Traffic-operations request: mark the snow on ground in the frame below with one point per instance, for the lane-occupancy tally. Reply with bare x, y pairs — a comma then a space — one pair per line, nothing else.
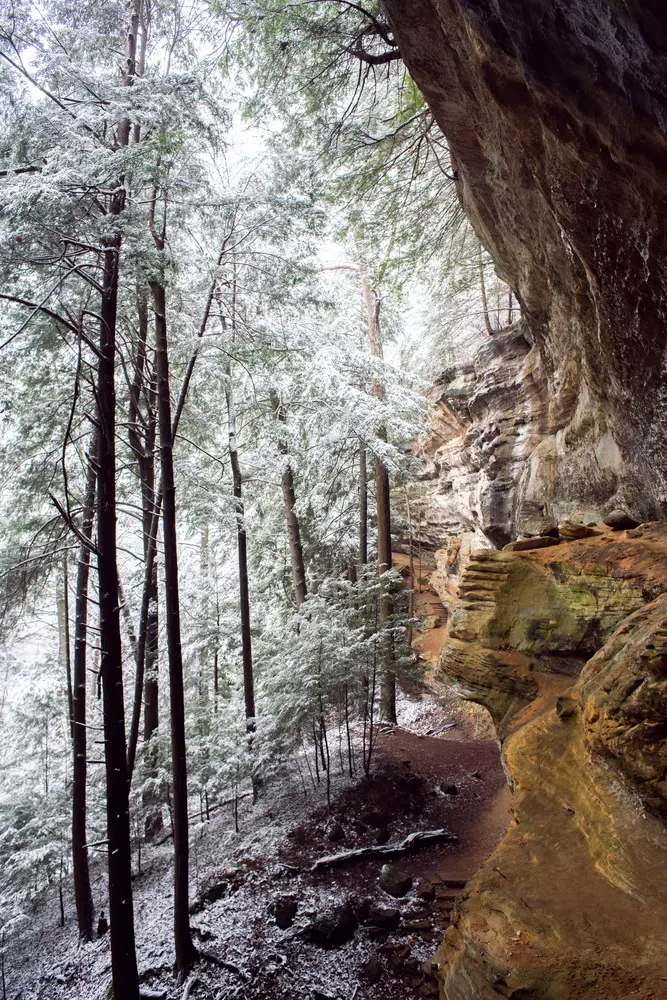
235, 877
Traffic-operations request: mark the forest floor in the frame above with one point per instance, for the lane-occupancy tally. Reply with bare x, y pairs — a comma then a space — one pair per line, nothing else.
440, 768
238, 879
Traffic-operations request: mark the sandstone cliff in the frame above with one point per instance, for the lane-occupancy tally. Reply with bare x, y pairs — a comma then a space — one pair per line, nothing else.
567, 649
556, 116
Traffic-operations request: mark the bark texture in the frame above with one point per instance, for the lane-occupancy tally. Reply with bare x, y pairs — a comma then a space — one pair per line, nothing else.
242, 550
185, 951
121, 930
372, 305
289, 502
83, 896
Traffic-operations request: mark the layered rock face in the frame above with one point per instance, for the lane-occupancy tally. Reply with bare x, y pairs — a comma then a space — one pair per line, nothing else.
488, 464
556, 115
567, 648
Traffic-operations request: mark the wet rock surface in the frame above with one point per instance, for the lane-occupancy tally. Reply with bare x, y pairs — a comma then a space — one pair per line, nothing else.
333, 927
567, 648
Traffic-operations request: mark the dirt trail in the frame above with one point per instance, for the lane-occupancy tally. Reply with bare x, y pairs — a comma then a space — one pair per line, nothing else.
428, 608
419, 781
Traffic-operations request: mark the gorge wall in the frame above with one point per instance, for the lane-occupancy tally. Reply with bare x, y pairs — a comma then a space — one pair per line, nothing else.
555, 112
556, 116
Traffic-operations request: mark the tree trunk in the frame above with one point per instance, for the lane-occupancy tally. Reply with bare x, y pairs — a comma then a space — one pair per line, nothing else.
205, 608
241, 541
363, 508
382, 498
149, 595
142, 434
482, 288
185, 951
123, 954
64, 655
121, 929
142, 442
289, 501
83, 897
411, 602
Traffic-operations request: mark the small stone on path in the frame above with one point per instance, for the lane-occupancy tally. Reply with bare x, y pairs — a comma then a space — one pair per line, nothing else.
333, 928
394, 881
386, 917
426, 891
449, 788
371, 971
284, 910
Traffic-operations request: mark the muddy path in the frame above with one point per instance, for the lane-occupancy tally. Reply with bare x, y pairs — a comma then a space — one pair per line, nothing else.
420, 782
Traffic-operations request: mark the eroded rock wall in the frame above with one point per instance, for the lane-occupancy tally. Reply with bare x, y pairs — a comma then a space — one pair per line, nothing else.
555, 112
567, 648
556, 115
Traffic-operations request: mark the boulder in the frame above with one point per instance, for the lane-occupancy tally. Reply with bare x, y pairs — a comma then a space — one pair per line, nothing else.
335, 833
371, 971
620, 520
394, 881
524, 544
381, 836
571, 530
333, 927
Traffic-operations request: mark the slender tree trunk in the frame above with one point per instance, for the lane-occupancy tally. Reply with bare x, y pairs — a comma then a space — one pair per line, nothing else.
123, 955
363, 508
241, 542
185, 950
60, 895
149, 601
289, 501
411, 602
482, 288
64, 654
382, 498
142, 435
142, 441
83, 897
121, 929
204, 584
216, 654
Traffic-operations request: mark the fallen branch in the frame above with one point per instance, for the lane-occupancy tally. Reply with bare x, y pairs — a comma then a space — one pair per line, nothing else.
210, 957
443, 729
411, 843
189, 986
